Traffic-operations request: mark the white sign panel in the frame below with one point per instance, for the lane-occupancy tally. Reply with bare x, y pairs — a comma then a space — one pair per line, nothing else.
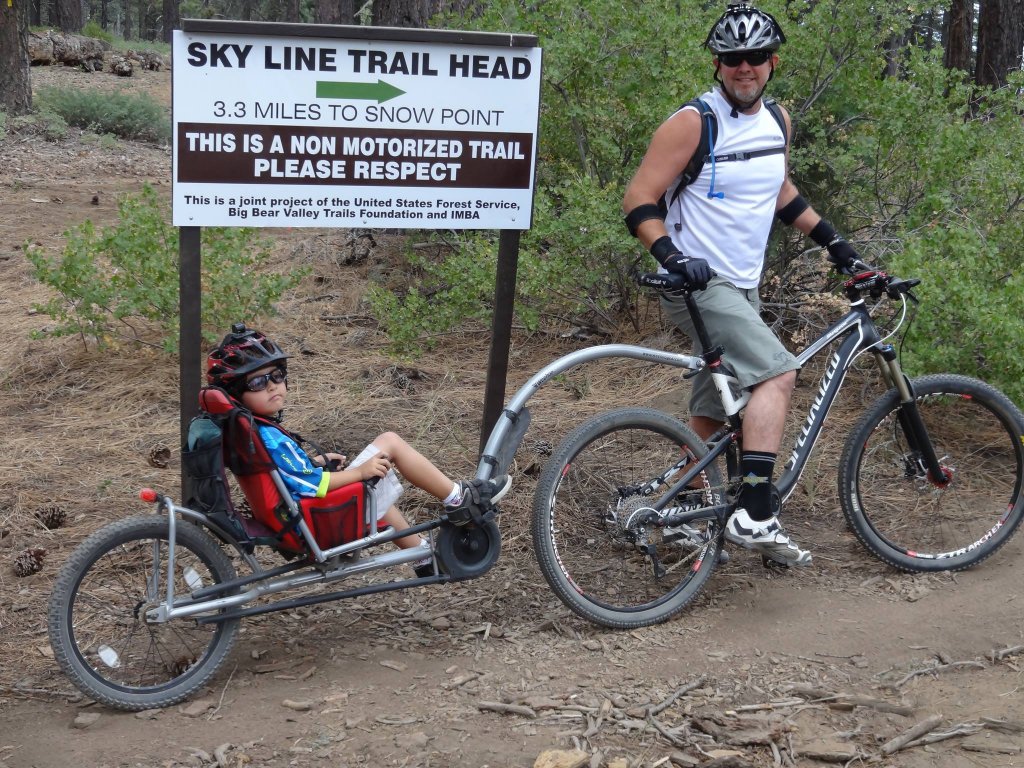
309, 132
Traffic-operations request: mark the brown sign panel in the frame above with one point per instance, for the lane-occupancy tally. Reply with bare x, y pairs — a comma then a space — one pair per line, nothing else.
284, 154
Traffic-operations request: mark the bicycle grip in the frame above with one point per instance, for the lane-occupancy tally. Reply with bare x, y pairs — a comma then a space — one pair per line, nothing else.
670, 282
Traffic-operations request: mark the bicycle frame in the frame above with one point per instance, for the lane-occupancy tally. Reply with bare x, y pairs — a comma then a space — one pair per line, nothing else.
858, 334
206, 604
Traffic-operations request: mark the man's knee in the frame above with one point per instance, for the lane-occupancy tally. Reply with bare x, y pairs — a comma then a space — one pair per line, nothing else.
784, 383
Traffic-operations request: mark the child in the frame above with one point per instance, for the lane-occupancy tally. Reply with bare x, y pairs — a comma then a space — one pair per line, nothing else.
254, 371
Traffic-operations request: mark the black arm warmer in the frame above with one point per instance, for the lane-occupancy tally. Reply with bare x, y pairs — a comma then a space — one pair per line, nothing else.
823, 233
640, 214
790, 211
662, 248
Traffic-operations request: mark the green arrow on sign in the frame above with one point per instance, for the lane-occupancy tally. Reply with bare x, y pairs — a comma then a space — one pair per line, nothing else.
379, 91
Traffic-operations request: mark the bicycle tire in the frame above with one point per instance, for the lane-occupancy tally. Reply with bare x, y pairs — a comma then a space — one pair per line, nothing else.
905, 519
96, 615
588, 560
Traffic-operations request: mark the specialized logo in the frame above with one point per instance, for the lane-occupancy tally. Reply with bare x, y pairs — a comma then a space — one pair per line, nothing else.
812, 416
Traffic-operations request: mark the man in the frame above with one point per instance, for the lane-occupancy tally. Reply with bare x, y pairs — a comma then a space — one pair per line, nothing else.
714, 233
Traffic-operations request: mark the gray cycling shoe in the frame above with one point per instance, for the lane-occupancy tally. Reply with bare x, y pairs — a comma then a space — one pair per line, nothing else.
767, 537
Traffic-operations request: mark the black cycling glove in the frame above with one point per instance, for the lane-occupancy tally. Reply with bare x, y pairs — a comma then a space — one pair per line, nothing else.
840, 252
695, 270
842, 255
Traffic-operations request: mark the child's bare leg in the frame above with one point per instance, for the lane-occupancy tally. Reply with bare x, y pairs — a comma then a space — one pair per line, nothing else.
414, 466
394, 518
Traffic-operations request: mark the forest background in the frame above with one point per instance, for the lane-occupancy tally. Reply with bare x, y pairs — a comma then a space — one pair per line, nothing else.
908, 135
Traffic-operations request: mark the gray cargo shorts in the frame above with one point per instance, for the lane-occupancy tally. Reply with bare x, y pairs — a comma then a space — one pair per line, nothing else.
733, 318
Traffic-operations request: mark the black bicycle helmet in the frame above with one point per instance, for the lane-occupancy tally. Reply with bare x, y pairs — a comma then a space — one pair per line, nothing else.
744, 28
241, 352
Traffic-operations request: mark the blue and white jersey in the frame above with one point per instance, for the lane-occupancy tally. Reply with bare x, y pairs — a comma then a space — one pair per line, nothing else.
300, 475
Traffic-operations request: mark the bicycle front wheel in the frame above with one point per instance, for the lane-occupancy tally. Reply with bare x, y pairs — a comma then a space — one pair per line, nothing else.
893, 506
98, 624
591, 543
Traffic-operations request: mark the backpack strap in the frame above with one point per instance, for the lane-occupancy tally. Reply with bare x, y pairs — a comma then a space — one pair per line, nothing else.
775, 111
708, 135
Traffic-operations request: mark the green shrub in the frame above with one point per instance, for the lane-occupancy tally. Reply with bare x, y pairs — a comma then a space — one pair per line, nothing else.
3, 125
130, 116
50, 126
121, 284
93, 29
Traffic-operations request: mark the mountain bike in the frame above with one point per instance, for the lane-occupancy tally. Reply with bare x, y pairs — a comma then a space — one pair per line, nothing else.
630, 509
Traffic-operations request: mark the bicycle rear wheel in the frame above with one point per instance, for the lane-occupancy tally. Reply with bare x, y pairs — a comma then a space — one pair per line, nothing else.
601, 562
97, 616
895, 509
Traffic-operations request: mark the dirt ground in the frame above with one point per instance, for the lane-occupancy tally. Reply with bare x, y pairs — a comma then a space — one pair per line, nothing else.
811, 667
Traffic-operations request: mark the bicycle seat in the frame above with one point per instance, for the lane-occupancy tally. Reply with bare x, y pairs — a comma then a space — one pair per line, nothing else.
342, 515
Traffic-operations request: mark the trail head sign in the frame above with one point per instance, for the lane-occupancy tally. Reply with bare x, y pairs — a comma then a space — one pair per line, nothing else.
281, 130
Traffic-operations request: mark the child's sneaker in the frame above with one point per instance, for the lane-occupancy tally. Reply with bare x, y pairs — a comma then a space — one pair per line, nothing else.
481, 494
424, 570
765, 536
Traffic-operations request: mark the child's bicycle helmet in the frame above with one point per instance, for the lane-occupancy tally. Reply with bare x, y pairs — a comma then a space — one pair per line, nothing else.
241, 352
744, 28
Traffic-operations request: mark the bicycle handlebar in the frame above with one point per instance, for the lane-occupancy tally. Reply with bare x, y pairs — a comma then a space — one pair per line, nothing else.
867, 279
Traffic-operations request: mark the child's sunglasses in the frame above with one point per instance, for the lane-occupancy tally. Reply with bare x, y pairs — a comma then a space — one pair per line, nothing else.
259, 383
753, 58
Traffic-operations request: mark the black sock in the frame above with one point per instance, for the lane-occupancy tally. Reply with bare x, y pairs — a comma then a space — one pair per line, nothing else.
756, 468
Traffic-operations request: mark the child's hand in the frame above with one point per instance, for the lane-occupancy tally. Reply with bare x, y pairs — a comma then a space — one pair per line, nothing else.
333, 462
375, 466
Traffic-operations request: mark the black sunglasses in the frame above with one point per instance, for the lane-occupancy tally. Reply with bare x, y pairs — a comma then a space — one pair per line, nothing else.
259, 383
753, 58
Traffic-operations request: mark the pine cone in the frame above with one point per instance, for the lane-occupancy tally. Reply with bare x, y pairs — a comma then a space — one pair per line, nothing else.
51, 515
159, 455
30, 561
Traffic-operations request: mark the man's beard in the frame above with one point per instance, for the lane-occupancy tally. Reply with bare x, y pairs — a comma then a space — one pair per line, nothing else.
743, 103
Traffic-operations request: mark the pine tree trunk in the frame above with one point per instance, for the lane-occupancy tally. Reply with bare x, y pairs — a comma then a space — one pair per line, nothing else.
171, 18
335, 12
15, 90
959, 35
413, 13
69, 15
1000, 40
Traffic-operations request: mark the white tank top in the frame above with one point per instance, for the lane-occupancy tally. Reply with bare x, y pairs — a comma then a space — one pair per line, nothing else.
731, 232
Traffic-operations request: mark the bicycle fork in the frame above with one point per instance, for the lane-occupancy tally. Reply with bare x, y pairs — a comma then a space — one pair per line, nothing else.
909, 418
